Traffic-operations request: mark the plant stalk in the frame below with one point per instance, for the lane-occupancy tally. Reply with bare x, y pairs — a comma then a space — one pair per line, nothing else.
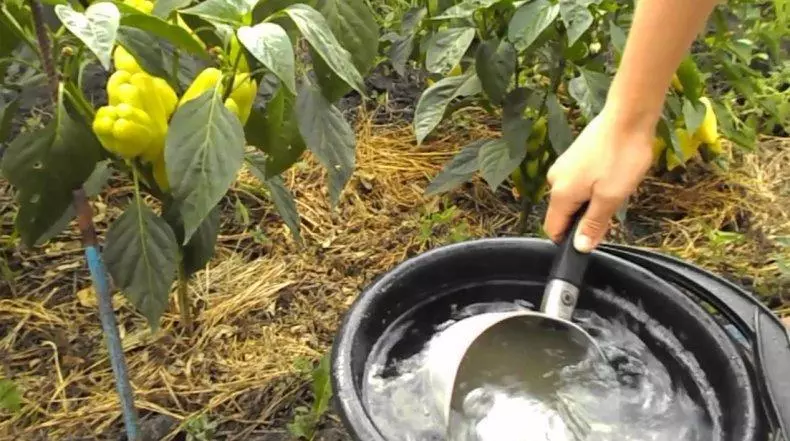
106, 314
183, 298
45, 47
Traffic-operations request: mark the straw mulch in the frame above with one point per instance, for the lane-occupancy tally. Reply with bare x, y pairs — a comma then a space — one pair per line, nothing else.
264, 304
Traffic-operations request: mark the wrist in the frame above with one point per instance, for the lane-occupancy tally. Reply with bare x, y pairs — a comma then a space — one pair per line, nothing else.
631, 117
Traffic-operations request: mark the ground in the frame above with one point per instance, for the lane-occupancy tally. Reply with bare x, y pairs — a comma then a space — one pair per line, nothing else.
264, 305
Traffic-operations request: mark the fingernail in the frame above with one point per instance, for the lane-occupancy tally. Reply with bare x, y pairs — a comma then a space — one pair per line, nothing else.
583, 243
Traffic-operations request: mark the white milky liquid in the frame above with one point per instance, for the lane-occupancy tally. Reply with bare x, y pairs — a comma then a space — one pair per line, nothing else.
631, 399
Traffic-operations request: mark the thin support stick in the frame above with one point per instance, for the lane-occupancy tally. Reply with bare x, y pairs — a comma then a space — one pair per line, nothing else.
106, 314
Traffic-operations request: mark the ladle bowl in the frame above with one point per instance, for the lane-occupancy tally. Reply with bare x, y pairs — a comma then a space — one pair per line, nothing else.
428, 289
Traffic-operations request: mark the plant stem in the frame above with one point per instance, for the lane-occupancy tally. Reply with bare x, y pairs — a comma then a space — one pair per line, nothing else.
106, 314
45, 47
183, 297
17, 28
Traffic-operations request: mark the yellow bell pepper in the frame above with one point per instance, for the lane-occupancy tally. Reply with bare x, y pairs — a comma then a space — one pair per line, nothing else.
688, 145
708, 130
160, 173
145, 6
124, 130
658, 148
239, 101
123, 60
676, 83
537, 135
235, 51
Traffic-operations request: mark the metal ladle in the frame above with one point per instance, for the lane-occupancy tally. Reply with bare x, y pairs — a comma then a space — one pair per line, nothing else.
521, 350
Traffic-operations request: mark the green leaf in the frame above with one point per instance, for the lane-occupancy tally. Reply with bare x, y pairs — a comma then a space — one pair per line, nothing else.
200, 248
434, 101
170, 32
163, 8
354, 25
412, 19
577, 19
665, 131
693, 113
282, 197
92, 186
495, 62
559, 130
316, 31
516, 128
446, 48
269, 44
400, 52
465, 9
223, 11
589, 90
203, 152
496, 161
145, 49
141, 253
328, 135
10, 396
45, 166
458, 170
689, 77
322, 386
529, 21
277, 133
618, 37
7, 113
96, 28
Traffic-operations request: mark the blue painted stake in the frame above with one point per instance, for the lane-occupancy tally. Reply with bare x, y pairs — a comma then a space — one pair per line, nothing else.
106, 314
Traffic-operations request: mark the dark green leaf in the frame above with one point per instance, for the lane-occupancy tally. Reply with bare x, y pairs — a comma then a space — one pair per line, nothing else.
446, 48
317, 32
7, 113
45, 166
223, 11
689, 77
145, 49
693, 113
618, 37
465, 9
354, 25
589, 90
496, 162
560, 133
529, 21
328, 135
142, 256
734, 129
458, 170
410, 23
163, 8
281, 196
516, 128
495, 62
400, 52
269, 44
203, 152
577, 19
96, 28
279, 136
92, 186
10, 397
170, 32
200, 248
434, 101
322, 386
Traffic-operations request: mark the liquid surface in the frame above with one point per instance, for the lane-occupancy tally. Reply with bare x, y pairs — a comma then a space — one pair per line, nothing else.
632, 398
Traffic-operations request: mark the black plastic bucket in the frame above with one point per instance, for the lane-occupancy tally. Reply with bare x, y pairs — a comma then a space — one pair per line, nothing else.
721, 358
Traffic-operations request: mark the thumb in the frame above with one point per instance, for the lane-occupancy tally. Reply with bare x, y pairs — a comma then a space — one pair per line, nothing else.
595, 223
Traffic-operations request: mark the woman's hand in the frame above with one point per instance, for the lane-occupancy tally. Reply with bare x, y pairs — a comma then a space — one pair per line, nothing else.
604, 165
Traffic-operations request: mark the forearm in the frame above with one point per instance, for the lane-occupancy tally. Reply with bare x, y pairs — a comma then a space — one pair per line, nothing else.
660, 37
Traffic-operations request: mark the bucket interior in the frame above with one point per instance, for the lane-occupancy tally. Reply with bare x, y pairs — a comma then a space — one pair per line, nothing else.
427, 290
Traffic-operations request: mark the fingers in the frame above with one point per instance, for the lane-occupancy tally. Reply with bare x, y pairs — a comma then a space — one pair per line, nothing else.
563, 204
595, 222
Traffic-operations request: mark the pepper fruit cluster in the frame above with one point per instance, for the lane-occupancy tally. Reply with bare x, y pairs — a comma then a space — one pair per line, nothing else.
533, 185
241, 98
134, 123
706, 138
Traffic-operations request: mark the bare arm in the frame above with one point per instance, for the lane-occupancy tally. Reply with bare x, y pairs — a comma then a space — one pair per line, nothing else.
611, 156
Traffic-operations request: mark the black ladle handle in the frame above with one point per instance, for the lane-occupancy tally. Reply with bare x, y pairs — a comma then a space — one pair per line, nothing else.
569, 264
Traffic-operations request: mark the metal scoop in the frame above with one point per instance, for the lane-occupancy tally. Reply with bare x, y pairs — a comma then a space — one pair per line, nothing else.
520, 350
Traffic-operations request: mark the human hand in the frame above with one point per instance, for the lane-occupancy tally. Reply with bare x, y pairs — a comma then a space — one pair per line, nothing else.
604, 166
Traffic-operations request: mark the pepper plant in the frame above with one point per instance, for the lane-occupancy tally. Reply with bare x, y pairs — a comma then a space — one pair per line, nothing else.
544, 67
195, 90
